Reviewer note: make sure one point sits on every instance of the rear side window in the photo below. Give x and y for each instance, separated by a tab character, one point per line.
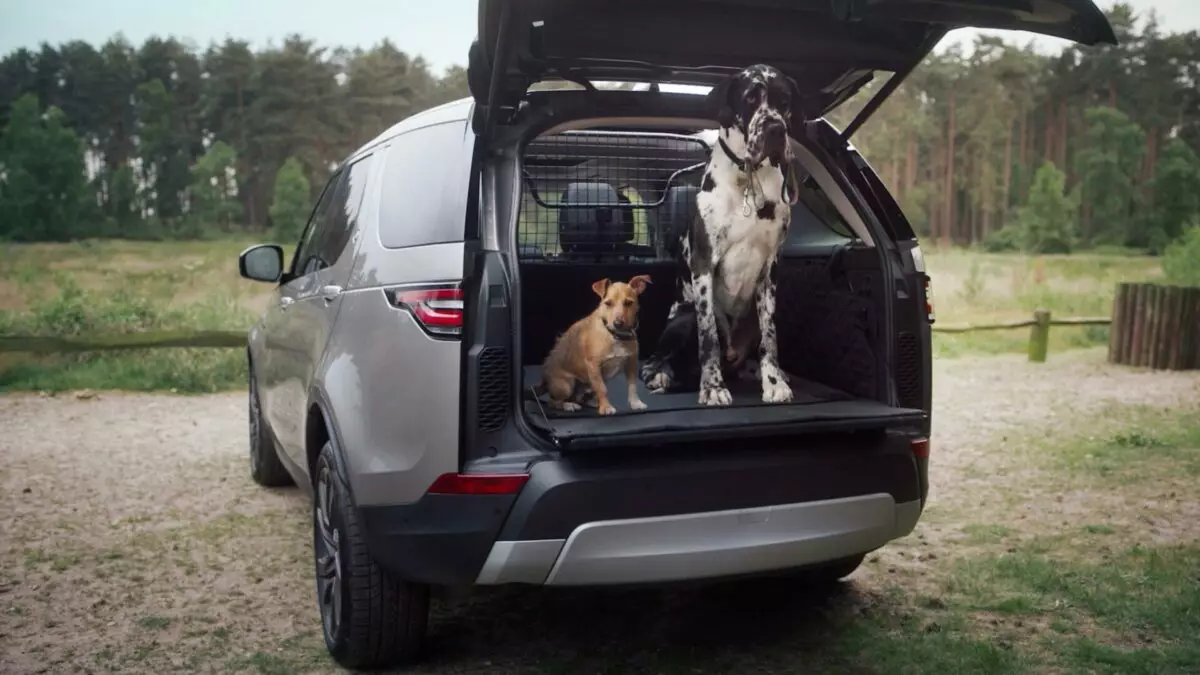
334	219
425	181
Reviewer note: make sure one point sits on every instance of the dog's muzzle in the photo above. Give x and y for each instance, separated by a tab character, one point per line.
768	138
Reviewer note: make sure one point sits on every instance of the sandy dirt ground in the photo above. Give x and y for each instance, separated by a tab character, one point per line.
132	539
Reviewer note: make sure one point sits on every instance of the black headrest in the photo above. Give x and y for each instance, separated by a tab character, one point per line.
596	227
675	214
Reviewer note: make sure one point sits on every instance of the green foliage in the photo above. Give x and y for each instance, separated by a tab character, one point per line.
1047	221
1108	165
1176	190
212	196
291	205
42	187
1181	260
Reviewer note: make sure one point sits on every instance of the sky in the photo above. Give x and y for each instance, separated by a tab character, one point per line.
438	30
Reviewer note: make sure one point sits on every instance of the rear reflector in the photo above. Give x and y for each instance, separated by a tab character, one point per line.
439	310
478	484
920	448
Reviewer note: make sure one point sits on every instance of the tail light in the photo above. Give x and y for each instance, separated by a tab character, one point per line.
478	484
439	309
928	300
920	448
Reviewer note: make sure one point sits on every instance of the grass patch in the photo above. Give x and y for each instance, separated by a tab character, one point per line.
986	534
154	622
1132	613
1141	444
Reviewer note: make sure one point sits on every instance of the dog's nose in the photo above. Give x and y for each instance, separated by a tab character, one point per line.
618	323
776	131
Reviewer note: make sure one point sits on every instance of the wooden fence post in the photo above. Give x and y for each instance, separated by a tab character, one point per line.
1039	336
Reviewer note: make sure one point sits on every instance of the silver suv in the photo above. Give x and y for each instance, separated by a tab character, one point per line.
390	375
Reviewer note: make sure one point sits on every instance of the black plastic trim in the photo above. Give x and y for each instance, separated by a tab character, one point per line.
441	540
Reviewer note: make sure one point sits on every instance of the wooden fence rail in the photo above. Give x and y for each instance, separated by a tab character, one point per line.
1039	336
44	344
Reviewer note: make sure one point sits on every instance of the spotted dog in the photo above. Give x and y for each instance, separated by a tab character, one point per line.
726	302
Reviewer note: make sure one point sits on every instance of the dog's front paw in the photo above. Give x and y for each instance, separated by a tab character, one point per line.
608	410
570	407
779	392
637	404
659	383
715	396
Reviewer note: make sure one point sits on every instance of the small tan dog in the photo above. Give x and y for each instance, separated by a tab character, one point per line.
594	348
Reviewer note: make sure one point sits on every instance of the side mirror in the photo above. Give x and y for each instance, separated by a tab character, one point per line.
262	262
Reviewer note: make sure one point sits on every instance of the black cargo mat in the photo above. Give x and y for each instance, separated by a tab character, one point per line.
813	405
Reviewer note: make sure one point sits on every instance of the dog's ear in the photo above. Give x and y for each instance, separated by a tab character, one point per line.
638	283
719	98
601	287
800	106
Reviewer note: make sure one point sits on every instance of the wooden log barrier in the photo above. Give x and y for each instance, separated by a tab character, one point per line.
1155	326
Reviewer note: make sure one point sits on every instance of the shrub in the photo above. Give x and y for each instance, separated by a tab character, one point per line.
1181	260
1047	222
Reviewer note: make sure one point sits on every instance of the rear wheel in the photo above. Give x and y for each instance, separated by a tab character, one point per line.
265	467
369	618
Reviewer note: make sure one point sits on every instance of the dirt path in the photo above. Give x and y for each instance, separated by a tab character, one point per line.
133	540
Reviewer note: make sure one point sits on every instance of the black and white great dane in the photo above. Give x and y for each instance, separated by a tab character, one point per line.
726	302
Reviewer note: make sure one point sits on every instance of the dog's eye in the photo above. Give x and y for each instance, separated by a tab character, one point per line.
608	303
629	303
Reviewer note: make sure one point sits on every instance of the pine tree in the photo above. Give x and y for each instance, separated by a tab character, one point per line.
291	204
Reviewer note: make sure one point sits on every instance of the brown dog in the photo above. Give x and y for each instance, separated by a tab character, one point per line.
594	348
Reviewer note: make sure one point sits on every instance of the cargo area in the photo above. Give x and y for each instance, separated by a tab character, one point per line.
612	204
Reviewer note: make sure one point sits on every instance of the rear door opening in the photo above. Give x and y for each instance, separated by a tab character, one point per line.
612	203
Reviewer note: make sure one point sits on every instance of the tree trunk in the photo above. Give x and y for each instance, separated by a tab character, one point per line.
950	196
1025	172
1149	163
910	165
1007	184
1062	139
1050	144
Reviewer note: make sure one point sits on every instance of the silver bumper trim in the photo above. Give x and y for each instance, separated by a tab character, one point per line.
704	545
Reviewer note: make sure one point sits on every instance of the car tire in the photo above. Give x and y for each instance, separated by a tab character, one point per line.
266	469
369	618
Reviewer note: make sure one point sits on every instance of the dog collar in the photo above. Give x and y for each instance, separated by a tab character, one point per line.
739	162
623	335
789	177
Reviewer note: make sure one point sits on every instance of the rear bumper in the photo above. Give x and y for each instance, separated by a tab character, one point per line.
634	517
704	545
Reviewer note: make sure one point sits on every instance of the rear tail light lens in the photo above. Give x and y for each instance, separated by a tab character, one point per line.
478	484
928	300
920	448
439	310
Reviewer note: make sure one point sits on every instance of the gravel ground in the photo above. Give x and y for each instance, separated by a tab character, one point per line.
133	539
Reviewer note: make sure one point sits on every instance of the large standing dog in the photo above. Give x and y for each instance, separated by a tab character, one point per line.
743	210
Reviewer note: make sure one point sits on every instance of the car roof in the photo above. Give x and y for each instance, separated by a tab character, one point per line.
454	111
